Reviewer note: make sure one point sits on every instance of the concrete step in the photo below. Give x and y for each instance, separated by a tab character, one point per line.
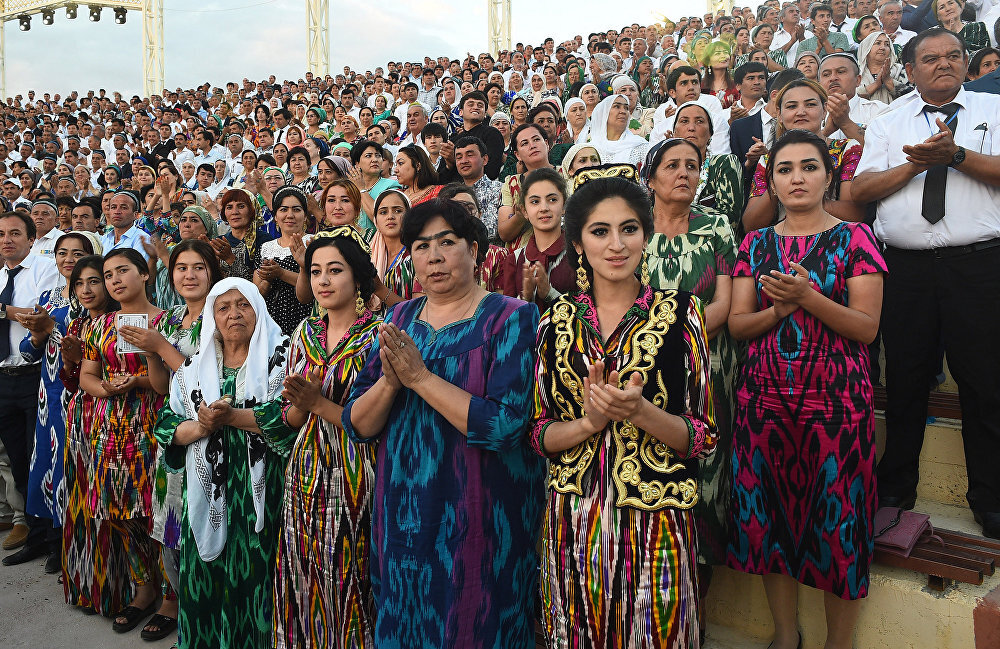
943	477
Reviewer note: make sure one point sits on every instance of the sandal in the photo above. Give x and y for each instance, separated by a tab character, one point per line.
165	626
132	616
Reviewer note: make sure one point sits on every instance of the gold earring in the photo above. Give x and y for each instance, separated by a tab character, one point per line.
582	281
359	304
644	273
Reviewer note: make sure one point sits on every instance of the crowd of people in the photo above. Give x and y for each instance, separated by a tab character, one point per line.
445	352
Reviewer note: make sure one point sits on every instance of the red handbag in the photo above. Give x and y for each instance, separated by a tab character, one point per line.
898	531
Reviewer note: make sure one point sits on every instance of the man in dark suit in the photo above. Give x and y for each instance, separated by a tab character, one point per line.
987	83
747	133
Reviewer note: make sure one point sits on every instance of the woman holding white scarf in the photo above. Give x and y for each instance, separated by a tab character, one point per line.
608	132
222	428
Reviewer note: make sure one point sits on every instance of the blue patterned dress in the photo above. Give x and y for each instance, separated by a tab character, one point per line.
45	475
455	518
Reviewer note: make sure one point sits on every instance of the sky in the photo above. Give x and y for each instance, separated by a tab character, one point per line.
219	41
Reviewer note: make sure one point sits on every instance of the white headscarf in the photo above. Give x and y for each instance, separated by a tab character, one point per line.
199	381
569	104
596	133
895	69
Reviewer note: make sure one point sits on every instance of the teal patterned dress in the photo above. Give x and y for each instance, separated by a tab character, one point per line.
226	603
690	262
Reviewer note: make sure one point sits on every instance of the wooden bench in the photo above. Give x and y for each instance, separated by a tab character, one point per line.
964	557
940	404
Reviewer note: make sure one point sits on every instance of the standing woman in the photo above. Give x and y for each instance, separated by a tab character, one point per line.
393	265
323	598
622	399
95	570
193	270
694	250
277	269
457	495
46	328
125	406
366	175
224	408
807	295
237	249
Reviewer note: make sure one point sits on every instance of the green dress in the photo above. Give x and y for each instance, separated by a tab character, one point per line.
720	188
227	602
690	262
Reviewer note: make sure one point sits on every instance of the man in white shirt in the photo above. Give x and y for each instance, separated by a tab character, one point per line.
790	32
847	114
416	119
23	277
207	151
933	166
123	209
841	21
409	93
890	14
752	80
45	215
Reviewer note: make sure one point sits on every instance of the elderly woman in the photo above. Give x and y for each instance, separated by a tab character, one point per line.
237	249
975	35
882	78
575	113
622	400
694	250
219	429
457	498
608	132
323	598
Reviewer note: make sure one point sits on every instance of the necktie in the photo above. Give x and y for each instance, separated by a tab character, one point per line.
936	179
5	297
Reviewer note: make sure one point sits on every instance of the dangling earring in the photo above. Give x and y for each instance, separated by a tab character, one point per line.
644	272
359	304
582	281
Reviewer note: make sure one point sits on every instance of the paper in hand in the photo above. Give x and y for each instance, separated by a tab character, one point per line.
122	346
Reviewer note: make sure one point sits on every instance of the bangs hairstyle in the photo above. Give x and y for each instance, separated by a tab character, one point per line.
85	242
205	251
464	225
798	136
540	175
97	263
349	188
358	149
586	198
357	258
237	197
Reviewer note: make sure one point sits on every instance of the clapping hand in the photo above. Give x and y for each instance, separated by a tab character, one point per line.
399	351
938	149
303	391
39	322
618	404
223	250
72	350
215	415
591	383
119	384
787	289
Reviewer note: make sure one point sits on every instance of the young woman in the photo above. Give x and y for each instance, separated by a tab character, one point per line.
277	270
95	574
718	80
618	406
519	109
322	590
46	328
531	149
807	295
125	407
415	173
193	270
366	175
539	271
393	266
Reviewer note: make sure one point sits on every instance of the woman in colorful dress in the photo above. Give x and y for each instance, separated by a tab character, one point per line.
46	328
693	250
802	105
237	249
393	265
457	497
124	448
807	295
193	270
221	400
277	271
322	592
720	177
95	562
618	565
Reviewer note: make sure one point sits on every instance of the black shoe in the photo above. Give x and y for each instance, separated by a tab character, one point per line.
24	555
903	502
990	522
53	564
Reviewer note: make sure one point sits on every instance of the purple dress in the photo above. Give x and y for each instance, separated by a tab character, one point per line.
803	464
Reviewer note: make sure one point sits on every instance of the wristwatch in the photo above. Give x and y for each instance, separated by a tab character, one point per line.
3	311
958	158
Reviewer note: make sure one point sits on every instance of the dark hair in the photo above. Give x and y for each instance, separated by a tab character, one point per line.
425	173
205	251
29	225
523	127
656	153
299	150
97	263
465	226
93	205
205	167
818	7
88	245
358	149
750	67
356	257
475	94
676	73
586	198
471	140
798	136
432	129
133	255
910	49
452	190
977	59
540	175
781	79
